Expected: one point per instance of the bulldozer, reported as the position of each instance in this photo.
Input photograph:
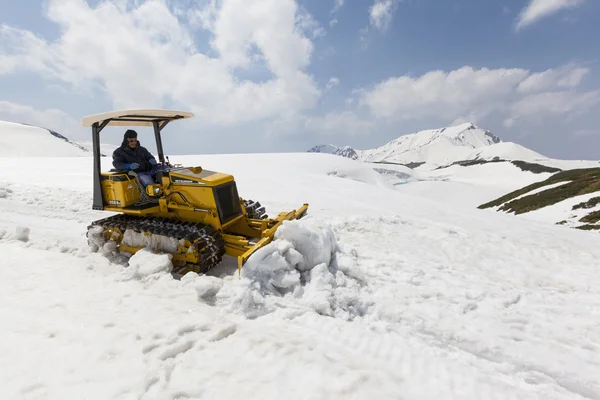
(192, 213)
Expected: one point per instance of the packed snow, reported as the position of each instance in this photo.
(381, 291)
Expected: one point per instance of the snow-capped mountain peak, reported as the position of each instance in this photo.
(345, 151)
(437, 147)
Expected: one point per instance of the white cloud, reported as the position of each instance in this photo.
(447, 94)
(568, 104)
(567, 77)
(142, 55)
(380, 13)
(468, 94)
(538, 9)
(332, 83)
(345, 123)
(54, 119)
(337, 4)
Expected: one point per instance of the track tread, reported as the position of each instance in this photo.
(208, 241)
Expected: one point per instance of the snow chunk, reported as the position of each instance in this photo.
(304, 267)
(155, 241)
(207, 287)
(20, 233)
(144, 263)
(3, 193)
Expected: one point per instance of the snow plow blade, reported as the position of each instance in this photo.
(236, 237)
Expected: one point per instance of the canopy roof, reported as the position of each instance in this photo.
(135, 117)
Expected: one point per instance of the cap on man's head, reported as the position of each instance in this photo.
(130, 133)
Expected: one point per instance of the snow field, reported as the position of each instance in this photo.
(375, 294)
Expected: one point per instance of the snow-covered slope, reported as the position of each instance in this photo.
(400, 296)
(105, 148)
(439, 147)
(435, 146)
(345, 151)
(505, 151)
(21, 140)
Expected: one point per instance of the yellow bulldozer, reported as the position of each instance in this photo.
(194, 214)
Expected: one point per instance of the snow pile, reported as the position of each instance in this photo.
(4, 192)
(157, 242)
(304, 269)
(19, 140)
(146, 264)
(20, 233)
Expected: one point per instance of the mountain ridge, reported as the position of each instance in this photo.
(438, 147)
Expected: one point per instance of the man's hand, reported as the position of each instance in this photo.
(132, 166)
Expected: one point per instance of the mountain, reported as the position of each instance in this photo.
(439, 147)
(23, 140)
(346, 151)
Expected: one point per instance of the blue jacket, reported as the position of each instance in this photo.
(124, 156)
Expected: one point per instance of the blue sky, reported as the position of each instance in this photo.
(284, 75)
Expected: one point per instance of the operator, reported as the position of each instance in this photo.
(134, 157)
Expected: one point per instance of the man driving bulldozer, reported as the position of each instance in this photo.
(132, 156)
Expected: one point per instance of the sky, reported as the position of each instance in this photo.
(285, 75)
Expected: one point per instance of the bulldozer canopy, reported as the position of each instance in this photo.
(135, 117)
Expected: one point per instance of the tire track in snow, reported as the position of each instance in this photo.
(448, 290)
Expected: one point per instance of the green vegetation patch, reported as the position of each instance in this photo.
(591, 218)
(591, 203)
(579, 182)
(535, 168)
(588, 227)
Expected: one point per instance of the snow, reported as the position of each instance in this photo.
(506, 151)
(434, 146)
(383, 290)
(19, 140)
(563, 211)
(105, 148)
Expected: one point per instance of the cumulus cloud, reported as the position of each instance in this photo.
(474, 94)
(51, 118)
(344, 123)
(141, 54)
(538, 9)
(381, 12)
(567, 77)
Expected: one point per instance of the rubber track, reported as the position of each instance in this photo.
(207, 240)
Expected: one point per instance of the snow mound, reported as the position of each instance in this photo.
(361, 174)
(20, 140)
(302, 270)
(144, 264)
(4, 192)
(505, 151)
(20, 233)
